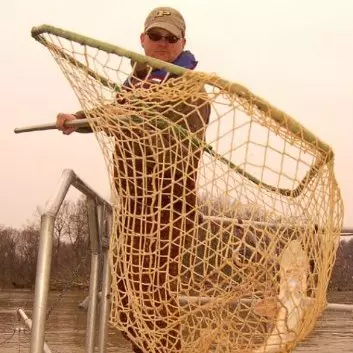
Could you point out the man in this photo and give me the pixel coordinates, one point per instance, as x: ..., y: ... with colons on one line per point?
x: 164, y: 39
x: 156, y: 185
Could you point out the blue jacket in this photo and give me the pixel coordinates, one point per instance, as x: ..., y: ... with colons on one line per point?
x: 186, y: 60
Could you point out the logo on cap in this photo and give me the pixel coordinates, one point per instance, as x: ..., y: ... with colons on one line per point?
x: 162, y: 13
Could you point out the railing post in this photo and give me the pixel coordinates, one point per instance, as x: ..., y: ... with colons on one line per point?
x: 42, y: 283
x: 105, y: 299
x: 93, y: 288
x: 44, y: 260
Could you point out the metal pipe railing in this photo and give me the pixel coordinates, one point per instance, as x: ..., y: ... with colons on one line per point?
x: 51, y: 209
x: 104, y: 305
x: 340, y: 307
x: 44, y: 260
x: 28, y: 322
x: 106, y: 279
x: 42, y: 282
x: 93, y: 288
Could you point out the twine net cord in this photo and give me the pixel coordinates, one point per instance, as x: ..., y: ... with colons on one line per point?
x: 226, y: 222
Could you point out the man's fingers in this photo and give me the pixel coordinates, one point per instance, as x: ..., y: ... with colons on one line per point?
x: 61, y: 119
x: 69, y: 130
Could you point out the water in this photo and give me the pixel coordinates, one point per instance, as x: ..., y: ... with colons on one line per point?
x: 65, y: 329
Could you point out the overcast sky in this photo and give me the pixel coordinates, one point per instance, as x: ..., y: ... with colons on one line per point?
x: 297, y: 54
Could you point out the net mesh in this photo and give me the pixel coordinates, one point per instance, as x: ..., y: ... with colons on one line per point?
x: 227, y: 214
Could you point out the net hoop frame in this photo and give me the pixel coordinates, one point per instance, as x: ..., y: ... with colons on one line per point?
x: 282, y: 119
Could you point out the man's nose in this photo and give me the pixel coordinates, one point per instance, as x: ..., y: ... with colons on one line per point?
x: 163, y: 42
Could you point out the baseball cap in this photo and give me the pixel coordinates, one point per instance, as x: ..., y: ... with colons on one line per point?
x: 168, y: 19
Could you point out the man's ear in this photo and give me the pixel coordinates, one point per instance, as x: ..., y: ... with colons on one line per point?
x: 142, y: 39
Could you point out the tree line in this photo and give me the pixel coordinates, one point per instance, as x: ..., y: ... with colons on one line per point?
x: 342, y: 274
x: 71, y: 254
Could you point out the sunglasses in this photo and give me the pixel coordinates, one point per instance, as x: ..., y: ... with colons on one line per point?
x: 155, y: 37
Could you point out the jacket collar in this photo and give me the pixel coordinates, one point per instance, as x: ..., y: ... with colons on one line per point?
x: 186, y: 60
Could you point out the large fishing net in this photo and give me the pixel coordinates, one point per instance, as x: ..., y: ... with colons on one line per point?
x: 227, y: 213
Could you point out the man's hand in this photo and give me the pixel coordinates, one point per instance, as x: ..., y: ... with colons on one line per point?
x: 62, y: 119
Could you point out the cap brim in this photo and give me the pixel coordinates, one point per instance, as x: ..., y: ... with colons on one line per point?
x: 167, y: 26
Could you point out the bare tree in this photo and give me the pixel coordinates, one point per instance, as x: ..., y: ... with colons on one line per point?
x: 342, y: 274
x: 70, y: 256
x: 8, y: 259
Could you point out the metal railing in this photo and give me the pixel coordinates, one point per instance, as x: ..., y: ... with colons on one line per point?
x: 97, y: 208
x: 98, y: 211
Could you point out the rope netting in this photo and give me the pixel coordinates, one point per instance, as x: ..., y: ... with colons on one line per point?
x: 227, y: 214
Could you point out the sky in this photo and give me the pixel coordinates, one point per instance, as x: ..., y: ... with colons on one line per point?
x: 298, y: 55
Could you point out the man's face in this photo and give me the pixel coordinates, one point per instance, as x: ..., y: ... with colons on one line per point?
x: 158, y: 45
